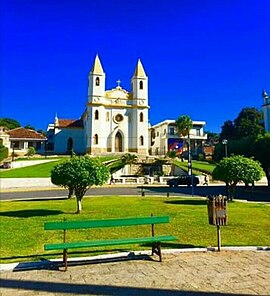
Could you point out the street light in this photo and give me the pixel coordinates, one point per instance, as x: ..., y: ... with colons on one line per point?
x: 225, y: 143
x: 13, y: 153
x: 190, y: 165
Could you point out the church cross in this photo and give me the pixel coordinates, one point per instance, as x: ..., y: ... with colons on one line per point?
x: 118, y: 82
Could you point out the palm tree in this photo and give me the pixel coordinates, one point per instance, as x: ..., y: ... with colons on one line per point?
x: 128, y: 159
x: 184, y: 125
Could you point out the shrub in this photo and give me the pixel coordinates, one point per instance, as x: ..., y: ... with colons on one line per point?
x: 31, y: 151
x: 3, y: 152
x: 172, y: 154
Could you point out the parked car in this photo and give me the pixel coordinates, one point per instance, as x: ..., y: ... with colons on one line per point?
x: 183, y: 180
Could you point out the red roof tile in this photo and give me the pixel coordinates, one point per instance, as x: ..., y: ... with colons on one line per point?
x: 70, y: 123
x: 24, y: 133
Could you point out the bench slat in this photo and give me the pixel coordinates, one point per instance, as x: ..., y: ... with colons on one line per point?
x: 99, y: 243
x: 105, y: 223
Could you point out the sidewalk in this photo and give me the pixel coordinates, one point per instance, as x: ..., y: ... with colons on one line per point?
x: 189, y: 273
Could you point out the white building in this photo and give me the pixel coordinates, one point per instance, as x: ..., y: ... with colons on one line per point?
x: 114, y: 120
x: 164, y: 138
x: 266, y: 110
x: 20, y: 139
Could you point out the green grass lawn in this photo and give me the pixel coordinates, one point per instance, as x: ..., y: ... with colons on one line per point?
x: 42, y: 170
x: 22, y: 236
x: 198, y: 167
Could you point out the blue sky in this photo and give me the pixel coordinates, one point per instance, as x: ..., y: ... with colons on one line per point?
x: 204, y: 58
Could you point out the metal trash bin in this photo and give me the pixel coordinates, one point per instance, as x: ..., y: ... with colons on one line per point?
x: 217, y: 210
x: 217, y: 214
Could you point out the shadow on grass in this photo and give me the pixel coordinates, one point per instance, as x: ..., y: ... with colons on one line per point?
x: 186, y: 202
x: 31, y: 213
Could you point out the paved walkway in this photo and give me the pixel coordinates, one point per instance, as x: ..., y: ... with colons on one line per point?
x: 191, y: 273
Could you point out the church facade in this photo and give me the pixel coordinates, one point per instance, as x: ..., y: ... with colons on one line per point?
x: 114, y: 121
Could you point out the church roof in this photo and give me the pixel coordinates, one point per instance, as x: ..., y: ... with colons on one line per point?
x: 25, y: 133
x: 97, y: 67
x: 70, y: 123
x: 139, y: 71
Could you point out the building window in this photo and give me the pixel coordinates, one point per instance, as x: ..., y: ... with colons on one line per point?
x: 141, y: 117
x: 38, y: 146
x: 16, y: 144
x: 157, y: 134
x: 141, y: 85
x: 95, y: 139
x: 198, y: 132
x: 118, y: 118
x: 141, y: 140
x: 164, y: 132
x: 171, y: 130
x: 96, y: 115
x: 97, y: 81
x: 107, y: 116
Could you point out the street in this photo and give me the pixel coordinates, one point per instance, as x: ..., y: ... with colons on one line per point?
x: 260, y: 193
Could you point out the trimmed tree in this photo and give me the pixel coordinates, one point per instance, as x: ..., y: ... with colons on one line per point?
x: 235, y: 169
x: 78, y: 174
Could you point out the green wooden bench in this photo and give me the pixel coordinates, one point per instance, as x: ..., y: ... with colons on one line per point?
x: 66, y: 225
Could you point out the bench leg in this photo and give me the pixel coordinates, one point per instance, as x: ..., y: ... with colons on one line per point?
x: 156, y: 249
x: 65, y: 259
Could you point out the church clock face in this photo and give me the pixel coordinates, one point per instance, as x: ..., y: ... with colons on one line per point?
x: 141, y: 102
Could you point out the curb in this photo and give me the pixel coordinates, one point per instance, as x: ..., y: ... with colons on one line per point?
x: 23, y: 266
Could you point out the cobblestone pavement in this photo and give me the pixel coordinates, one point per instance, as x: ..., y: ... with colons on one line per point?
x: 191, y: 273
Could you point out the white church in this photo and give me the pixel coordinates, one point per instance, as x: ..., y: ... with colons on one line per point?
x: 114, y: 121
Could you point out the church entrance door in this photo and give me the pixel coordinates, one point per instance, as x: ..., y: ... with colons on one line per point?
x: 118, y: 142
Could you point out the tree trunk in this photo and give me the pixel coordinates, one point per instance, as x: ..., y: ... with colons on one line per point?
x: 70, y: 191
x: 79, y: 205
x: 231, y: 191
x: 79, y: 193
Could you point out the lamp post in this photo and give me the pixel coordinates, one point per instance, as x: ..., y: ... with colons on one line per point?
x: 225, y: 143
x: 13, y: 153
x: 190, y: 165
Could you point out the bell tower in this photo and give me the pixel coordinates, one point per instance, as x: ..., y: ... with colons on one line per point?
x: 96, y: 81
x: 139, y: 85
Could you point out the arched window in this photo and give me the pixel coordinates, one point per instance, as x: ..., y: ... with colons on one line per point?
x: 107, y: 116
x: 95, y: 139
x: 141, y: 85
x: 141, y: 117
x: 97, y: 81
x: 141, y: 140
x: 96, y: 114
